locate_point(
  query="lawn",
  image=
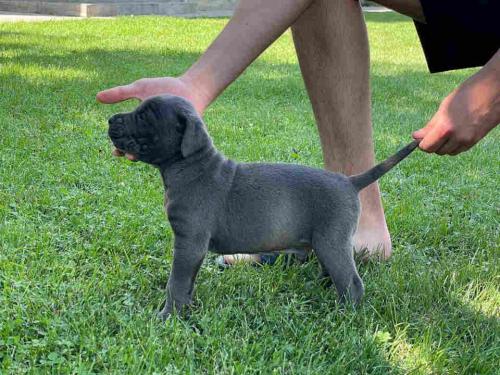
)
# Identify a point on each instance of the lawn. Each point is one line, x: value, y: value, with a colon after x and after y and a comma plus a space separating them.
x: 85, y: 249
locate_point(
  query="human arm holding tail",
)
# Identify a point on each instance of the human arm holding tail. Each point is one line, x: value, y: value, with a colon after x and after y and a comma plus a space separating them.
x: 466, y: 115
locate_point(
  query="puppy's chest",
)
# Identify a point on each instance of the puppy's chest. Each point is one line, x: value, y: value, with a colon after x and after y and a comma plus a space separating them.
x: 194, y: 209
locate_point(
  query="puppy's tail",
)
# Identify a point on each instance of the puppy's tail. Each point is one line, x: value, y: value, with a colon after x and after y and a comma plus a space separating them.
x: 360, y: 181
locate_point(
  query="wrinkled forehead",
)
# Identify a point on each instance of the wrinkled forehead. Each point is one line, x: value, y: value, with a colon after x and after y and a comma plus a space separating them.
x: 149, y: 104
x: 161, y: 101
x: 157, y: 113
x: 162, y: 106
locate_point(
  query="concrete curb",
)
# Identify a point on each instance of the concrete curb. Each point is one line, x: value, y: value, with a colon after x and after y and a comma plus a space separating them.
x: 102, y: 9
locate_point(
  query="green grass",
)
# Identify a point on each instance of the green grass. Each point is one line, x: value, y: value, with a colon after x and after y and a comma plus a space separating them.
x: 85, y: 249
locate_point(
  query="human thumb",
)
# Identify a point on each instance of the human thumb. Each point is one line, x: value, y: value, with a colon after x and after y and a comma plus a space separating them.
x: 421, y: 133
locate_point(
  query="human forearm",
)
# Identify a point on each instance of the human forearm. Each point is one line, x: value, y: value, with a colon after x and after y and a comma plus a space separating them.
x: 486, y: 85
x: 466, y: 115
x: 254, y: 26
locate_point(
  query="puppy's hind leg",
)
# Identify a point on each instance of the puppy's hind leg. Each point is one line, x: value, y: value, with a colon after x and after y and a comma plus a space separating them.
x: 335, y: 254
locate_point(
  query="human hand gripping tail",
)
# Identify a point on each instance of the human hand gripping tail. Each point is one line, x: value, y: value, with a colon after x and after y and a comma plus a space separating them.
x: 466, y: 115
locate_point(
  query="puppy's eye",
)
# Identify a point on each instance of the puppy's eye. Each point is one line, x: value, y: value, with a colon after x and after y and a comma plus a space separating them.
x: 180, y: 126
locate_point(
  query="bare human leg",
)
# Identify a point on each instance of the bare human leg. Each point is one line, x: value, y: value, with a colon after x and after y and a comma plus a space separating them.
x: 332, y: 46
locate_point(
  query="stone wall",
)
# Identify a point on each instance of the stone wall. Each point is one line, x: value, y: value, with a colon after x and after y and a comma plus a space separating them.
x: 103, y: 8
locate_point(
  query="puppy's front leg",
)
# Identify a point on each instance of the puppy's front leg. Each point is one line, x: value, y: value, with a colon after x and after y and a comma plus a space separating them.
x: 188, y: 257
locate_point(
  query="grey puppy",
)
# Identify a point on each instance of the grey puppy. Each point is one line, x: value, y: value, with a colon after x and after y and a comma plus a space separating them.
x: 216, y: 204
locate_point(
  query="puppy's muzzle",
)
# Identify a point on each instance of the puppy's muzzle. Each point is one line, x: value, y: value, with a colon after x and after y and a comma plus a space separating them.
x: 118, y: 133
x: 116, y: 126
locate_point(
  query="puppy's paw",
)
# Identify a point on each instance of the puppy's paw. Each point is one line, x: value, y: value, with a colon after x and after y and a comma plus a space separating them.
x: 325, y: 280
x: 353, y: 294
x: 163, y: 315
x: 166, y: 311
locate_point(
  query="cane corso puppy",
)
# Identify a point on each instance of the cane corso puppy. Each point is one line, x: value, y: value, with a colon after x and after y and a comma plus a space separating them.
x: 216, y: 204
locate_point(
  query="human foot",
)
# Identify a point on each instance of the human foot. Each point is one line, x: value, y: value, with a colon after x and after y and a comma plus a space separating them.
x: 292, y: 255
x: 372, y: 238
x: 373, y: 241
x: 230, y: 260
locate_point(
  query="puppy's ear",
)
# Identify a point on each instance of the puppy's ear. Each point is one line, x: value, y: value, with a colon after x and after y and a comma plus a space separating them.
x: 195, y: 136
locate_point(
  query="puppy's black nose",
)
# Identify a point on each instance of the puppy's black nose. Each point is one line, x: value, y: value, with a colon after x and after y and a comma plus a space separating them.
x: 116, y: 128
x: 116, y: 119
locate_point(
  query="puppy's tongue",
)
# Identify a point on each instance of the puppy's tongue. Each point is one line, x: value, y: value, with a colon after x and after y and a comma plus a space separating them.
x: 118, y: 152
x: 131, y: 157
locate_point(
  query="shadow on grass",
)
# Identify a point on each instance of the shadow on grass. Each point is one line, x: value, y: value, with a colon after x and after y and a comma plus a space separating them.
x: 430, y: 326
x: 92, y: 70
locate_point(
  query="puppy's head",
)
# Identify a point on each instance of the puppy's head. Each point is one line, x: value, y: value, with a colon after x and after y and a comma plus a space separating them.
x: 160, y: 129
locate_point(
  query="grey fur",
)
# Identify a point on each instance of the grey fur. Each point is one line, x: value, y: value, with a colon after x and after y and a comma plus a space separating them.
x: 217, y: 204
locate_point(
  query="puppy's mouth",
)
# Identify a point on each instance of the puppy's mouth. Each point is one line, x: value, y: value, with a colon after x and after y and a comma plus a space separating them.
x: 121, y: 137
